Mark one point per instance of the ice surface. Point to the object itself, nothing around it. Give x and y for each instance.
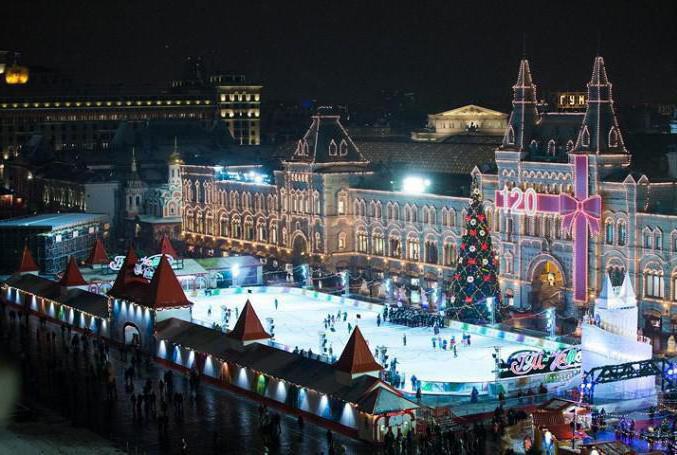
(298, 322)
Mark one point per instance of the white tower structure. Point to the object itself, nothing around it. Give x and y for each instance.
(611, 338)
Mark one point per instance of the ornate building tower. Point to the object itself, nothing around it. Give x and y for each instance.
(133, 196)
(600, 134)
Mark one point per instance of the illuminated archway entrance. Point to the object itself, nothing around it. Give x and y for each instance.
(131, 335)
(299, 249)
(547, 283)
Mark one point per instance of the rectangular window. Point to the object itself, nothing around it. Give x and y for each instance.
(341, 207)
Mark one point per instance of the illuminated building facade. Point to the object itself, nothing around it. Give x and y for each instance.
(239, 105)
(330, 204)
(468, 118)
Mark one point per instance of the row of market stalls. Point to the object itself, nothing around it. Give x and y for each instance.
(153, 313)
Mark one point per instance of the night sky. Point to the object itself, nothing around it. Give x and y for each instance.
(448, 52)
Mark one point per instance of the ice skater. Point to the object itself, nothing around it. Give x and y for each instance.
(276, 304)
(350, 327)
(404, 339)
(378, 320)
(455, 353)
(434, 343)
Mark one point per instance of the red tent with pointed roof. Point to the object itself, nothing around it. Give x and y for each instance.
(72, 275)
(356, 356)
(166, 247)
(248, 326)
(164, 290)
(98, 254)
(27, 263)
(126, 276)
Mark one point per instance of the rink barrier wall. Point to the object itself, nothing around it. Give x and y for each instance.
(541, 343)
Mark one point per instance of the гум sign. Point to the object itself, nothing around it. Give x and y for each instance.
(528, 362)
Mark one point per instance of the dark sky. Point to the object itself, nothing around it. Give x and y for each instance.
(448, 52)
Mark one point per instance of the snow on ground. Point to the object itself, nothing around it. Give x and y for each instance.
(299, 319)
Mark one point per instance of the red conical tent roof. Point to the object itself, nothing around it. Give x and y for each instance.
(166, 247)
(248, 326)
(98, 254)
(27, 263)
(125, 275)
(356, 356)
(72, 275)
(165, 291)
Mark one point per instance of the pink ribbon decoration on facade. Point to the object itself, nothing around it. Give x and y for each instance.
(580, 213)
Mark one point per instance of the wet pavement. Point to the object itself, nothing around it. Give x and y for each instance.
(216, 421)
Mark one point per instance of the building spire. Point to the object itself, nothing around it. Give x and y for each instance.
(524, 114)
(600, 132)
(133, 160)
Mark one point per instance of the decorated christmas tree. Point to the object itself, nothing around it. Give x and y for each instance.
(475, 278)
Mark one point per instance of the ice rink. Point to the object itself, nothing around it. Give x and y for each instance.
(299, 319)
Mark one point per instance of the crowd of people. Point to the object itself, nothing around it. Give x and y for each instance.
(412, 317)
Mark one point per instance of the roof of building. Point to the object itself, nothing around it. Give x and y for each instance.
(248, 326)
(164, 290)
(166, 247)
(53, 221)
(356, 356)
(293, 368)
(79, 299)
(471, 110)
(456, 155)
(98, 254)
(72, 276)
(126, 281)
(326, 142)
(27, 263)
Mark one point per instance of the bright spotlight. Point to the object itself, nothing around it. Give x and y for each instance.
(235, 270)
(415, 185)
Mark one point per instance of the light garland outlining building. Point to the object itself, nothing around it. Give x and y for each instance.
(562, 201)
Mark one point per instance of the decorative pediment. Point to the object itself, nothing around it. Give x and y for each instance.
(472, 111)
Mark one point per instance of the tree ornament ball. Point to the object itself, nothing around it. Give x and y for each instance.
(470, 279)
(473, 222)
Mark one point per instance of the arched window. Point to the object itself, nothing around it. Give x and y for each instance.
(654, 285)
(551, 148)
(343, 148)
(362, 241)
(585, 137)
(658, 240)
(341, 241)
(622, 232)
(609, 231)
(395, 246)
(431, 251)
(508, 263)
(511, 135)
(646, 239)
(449, 253)
(332, 148)
(223, 226)
(613, 137)
(377, 243)
(413, 248)
(570, 145)
(273, 232)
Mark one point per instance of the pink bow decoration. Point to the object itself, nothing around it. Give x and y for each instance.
(588, 210)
